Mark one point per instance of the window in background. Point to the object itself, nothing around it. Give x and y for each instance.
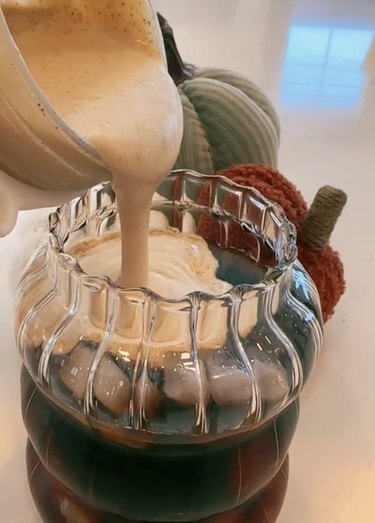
(323, 67)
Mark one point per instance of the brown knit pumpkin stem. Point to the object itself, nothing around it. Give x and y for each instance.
(177, 68)
(322, 217)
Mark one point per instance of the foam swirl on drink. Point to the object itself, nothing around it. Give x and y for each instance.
(180, 263)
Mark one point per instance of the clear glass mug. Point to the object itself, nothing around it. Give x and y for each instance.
(130, 422)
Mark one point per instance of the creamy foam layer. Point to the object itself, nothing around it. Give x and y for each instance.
(180, 263)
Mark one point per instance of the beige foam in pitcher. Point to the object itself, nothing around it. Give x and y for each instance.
(44, 160)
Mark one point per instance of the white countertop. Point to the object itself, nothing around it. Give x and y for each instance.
(326, 100)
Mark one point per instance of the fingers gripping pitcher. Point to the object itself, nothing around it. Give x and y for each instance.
(162, 364)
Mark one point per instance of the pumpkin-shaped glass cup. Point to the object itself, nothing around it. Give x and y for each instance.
(140, 408)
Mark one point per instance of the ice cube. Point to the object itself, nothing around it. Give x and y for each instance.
(185, 384)
(75, 370)
(229, 386)
(111, 384)
(272, 380)
(112, 387)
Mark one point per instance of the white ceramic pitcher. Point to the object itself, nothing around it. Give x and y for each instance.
(63, 164)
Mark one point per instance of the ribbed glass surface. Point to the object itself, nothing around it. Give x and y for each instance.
(131, 363)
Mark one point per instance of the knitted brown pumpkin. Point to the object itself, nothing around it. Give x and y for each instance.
(314, 227)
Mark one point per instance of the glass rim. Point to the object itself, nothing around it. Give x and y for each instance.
(272, 277)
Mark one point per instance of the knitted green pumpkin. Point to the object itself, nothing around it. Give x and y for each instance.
(227, 118)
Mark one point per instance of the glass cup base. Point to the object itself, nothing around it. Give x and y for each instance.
(57, 504)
